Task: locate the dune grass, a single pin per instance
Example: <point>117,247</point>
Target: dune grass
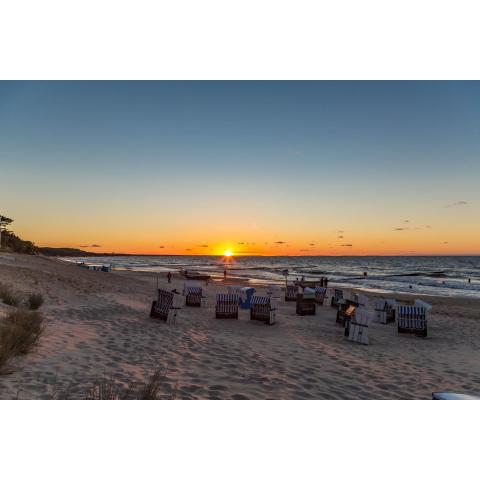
<point>10,297</point>
<point>35,301</point>
<point>19,334</point>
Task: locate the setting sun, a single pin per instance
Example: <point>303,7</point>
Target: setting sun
<point>227,253</point>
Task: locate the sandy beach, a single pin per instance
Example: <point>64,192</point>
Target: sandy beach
<point>98,325</point>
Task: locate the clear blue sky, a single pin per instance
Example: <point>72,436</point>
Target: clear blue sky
<point>90,150</point>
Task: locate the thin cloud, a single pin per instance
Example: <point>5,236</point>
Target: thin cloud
<point>241,243</point>
<point>340,231</point>
<point>161,246</point>
<point>347,245</point>
<point>460,203</point>
<point>312,244</point>
<point>399,229</point>
<point>280,242</point>
<point>203,246</point>
<point>406,221</point>
<point>340,236</point>
<point>428,226</point>
<point>90,246</point>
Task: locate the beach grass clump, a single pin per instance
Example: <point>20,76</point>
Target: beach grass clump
<point>10,297</point>
<point>19,334</point>
<point>35,301</point>
<point>106,388</point>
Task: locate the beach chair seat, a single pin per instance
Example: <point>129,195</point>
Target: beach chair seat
<point>356,329</point>
<point>320,293</point>
<point>261,309</point>
<point>336,298</point>
<point>193,297</point>
<point>226,305</point>
<point>166,306</point>
<point>291,292</point>
<point>412,319</point>
<point>345,313</point>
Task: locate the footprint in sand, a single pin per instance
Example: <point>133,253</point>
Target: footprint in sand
<point>238,396</point>
<point>217,387</point>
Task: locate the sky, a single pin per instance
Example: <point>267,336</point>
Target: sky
<point>259,168</point>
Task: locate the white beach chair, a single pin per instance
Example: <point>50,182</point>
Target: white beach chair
<point>358,327</point>
<point>384,310</point>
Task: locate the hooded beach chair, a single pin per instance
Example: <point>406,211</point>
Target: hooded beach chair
<point>227,305</point>
<point>166,306</point>
<point>385,310</point>
<point>291,292</point>
<point>261,309</point>
<point>306,302</point>
<point>412,319</point>
<point>193,296</point>
<point>337,297</point>
<point>320,293</point>
<point>356,329</point>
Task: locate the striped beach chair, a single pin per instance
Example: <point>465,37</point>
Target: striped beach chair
<point>337,297</point>
<point>227,305</point>
<point>166,306</point>
<point>356,330</point>
<point>261,309</point>
<point>306,302</point>
<point>291,293</point>
<point>233,289</point>
<point>320,293</point>
<point>412,319</point>
<point>193,296</point>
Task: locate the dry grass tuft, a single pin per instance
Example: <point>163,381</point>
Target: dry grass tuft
<point>19,334</point>
<point>35,301</point>
<point>9,297</point>
<point>103,389</point>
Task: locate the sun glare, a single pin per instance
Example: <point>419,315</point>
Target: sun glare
<point>227,253</point>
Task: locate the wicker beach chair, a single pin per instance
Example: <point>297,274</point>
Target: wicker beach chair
<point>166,306</point>
<point>356,328</point>
<point>227,305</point>
<point>193,296</point>
<point>412,319</point>
<point>320,293</point>
<point>291,292</point>
<point>337,297</point>
<point>261,309</point>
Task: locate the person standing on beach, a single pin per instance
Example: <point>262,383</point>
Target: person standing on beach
<point>169,277</point>
<point>225,273</point>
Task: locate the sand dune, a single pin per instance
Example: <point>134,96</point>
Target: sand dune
<point>98,325</point>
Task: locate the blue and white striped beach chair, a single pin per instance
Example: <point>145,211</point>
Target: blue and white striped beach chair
<point>357,328</point>
<point>320,293</point>
<point>412,319</point>
<point>261,309</point>
<point>227,305</point>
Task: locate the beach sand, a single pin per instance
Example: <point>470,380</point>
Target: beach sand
<point>99,326</point>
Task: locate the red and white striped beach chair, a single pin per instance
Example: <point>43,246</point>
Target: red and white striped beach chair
<point>166,306</point>
<point>261,309</point>
<point>412,319</point>
<point>291,292</point>
<point>320,293</point>
<point>227,305</point>
<point>193,296</point>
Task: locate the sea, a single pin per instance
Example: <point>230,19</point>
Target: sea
<point>450,276</point>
